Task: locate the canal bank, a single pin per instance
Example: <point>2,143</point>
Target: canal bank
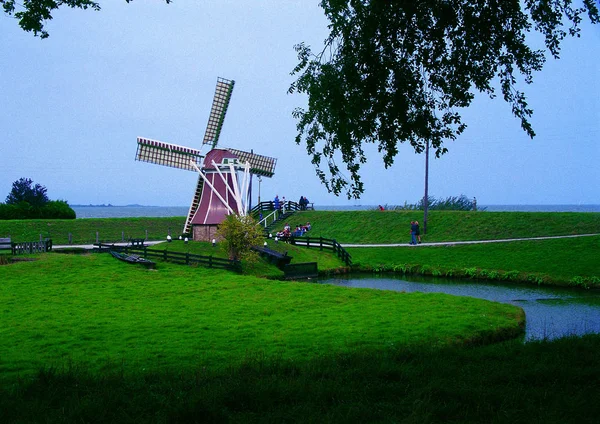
<point>551,312</point>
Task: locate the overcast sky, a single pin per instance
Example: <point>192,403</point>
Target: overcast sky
<point>73,105</point>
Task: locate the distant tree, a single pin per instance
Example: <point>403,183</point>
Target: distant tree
<point>35,13</point>
<point>239,234</point>
<point>399,71</point>
<point>29,201</point>
<point>23,190</point>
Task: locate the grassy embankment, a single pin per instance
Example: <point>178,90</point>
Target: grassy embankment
<point>83,231</point>
<point>88,338</point>
<point>570,261</point>
<point>564,262</point>
<point>445,226</point>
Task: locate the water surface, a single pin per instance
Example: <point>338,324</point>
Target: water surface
<point>550,312</point>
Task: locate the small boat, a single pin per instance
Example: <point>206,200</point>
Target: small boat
<point>133,259</point>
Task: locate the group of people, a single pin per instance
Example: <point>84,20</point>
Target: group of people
<point>282,204</point>
<point>287,232</point>
<point>415,232</point>
<point>303,203</point>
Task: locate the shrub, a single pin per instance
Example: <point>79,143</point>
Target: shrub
<point>55,209</point>
<point>240,234</point>
<point>470,272</point>
<point>452,203</point>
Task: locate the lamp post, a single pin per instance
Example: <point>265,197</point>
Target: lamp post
<point>259,181</point>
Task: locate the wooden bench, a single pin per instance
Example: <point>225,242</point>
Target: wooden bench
<point>277,258</point>
<point>5,244</point>
<point>300,271</point>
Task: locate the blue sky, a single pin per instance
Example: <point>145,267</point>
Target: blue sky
<point>73,105</point>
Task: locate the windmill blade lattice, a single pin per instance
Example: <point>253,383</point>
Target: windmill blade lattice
<point>167,154</point>
<point>218,110</point>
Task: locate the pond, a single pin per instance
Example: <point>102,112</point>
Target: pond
<point>550,312</point>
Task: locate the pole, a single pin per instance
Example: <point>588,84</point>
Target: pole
<point>426,197</point>
<point>259,181</point>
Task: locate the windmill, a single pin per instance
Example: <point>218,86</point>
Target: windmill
<point>224,174</point>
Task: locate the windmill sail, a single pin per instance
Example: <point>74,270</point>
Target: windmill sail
<point>160,153</point>
<point>187,229</point>
<point>218,110</point>
<point>259,165</point>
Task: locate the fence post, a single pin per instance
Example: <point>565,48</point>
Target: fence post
<point>210,261</point>
<point>165,255</point>
<point>187,258</point>
<point>70,238</point>
<point>145,251</point>
<point>97,237</point>
<point>122,236</point>
<point>146,234</point>
<point>41,239</point>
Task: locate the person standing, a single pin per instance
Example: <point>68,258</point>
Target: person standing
<point>418,232</point>
<point>276,202</point>
<point>413,233</point>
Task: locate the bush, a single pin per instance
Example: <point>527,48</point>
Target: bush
<point>58,209</point>
<point>55,209</point>
<point>452,203</point>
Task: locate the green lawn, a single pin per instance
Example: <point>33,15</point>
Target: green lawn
<point>558,261</point>
<point>394,226</point>
<point>88,338</point>
<point>84,231</point>
<point>97,311</point>
<point>326,261</point>
<point>345,227</point>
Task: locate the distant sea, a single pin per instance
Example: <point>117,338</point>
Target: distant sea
<point>167,211</point>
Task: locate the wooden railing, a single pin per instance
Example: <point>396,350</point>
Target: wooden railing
<point>29,247</point>
<point>270,206</point>
<point>178,257</point>
<point>323,243</point>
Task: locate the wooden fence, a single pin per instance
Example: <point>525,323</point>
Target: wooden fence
<point>323,243</point>
<point>177,257</point>
<point>29,247</point>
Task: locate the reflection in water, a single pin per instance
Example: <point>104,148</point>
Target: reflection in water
<point>550,312</point>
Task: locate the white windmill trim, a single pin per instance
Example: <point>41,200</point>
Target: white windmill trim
<point>212,188</point>
<point>246,185</point>
<point>229,190</point>
<point>236,188</point>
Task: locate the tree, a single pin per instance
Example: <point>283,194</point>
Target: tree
<point>35,13</point>
<point>399,71</point>
<point>239,234</point>
<point>23,190</point>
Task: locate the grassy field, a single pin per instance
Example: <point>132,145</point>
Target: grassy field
<point>540,382</point>
<point>83,231</point>
<point>100,313</point>
<point>87,338</point>
<point>345,227</point>
<point>327,262</point>
<point>394,226</point>
<point>572,261</point>
<point>90,339</point>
